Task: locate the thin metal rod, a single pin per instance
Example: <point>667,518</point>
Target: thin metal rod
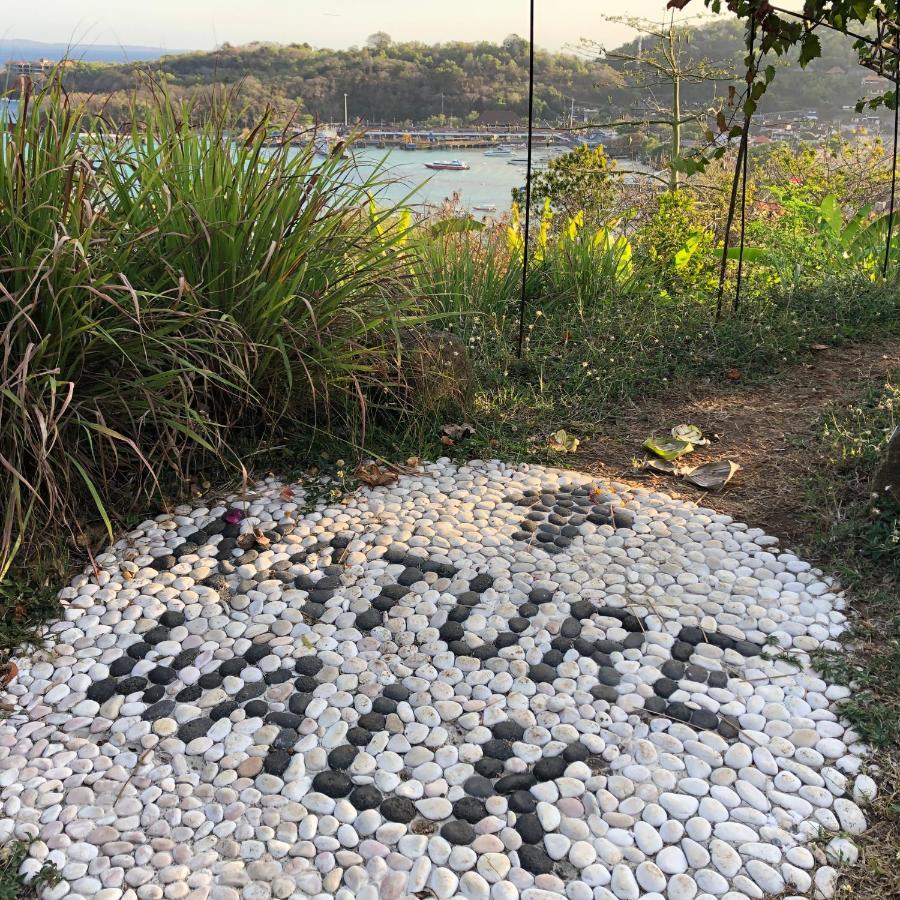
<point>887,246</point>
<point>754,68</point>
<point>527,185</point>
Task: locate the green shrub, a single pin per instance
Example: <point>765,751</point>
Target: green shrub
<point>172,294</point>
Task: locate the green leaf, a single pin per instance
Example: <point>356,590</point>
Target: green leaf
<point>668,447</point>
<point>95,494</point>
<point>455,226</point>
<point>770,74</point>
<point>749,107</point>
<point>810,48</point>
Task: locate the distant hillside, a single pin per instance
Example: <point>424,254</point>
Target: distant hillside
<point>13,48</point>
<point>471,82</point>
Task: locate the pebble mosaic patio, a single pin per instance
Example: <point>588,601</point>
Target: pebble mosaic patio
<point>484,682</point>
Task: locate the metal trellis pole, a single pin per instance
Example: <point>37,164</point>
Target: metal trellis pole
<point>890,229</point>
<point>527,185</point>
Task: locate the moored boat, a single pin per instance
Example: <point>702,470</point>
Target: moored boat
<point>487,207</point>
<point>453,165</point>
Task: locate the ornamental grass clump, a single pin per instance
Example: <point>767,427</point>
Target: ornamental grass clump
<point>170,294</point>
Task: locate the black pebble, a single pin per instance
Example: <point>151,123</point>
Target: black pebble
<point>540,595</point>
<point>395,591</point>
<point>508,638</point>
<point>157,634</point>
<point>384,604</point>
<point>342,757</point>
<point>458,832</point>
<point>681,650</point>
<point>365,796</point>
<point>277,761</point>
<point>678,711</point>
<point>703,718</point>
<point>138,650</point>
<point>132,685</point>
<point>153,693</point>
<point>747,648</point>
<point>451,631</point>
<point>459,648</point>
<point>570,628</point>
<point>256,709</point>
<point>609,675</point>
<point>162,563</point>
<point>372,721</point>
<point>210,680</point>
<point>309,665</point>
<point>459,614</point>
<point>563,644</point>
<point>519,782</point>
<point>542,673</point>
<point>122,666</point>
<point>528,610</point>
<point>410,576</point>
<point>306,684</point>
<point>488,768</point>
<point>480,583</point>
<point>195,728</point>
<point>522,802</point>
<point>256,652</point>
<point>728,729</point>
<point>518,624</point>
<point>298,703</point>
<point>250,691</point>
<point>549,767</point>
<point>469,809</point>
<point>717,639</point>
<point>396,692</point>
<point>581,609</point>
<point>534,860</point>
<point>279,676</point>
<point>576,752</point>
<point>634,641</point>
<point>484,651</point>
<point>369,619</point>
<point>285,719</point>
<point>673,669</point>
<point>690,634</point>
<point>158,711</point>
<point>718,679</point>
<point>359,736</point>
<point>189,694</point>
<point>508,731</point>
<point>185,658</point>
<point>655,705</point>
<point>162,675</point>
<point>529,827</point>
<point>101,691</point>
<point>332,784</point>
<point>497,749</point>
<point>604,692</point>
<point>286,739</point>
<point>478,786</point>
<point>664,687</point>
<point>468,598</point>
<point>384,705</point>
<point>223,710</point>
<point>398,809</point>
<point>696,673</point>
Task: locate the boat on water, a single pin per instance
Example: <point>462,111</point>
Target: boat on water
<point>453,165</point>
<point>487,207</point>
<point>498,151</point>
<point>518,162</point>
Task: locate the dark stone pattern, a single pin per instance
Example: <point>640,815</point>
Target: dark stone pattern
<point>552,522</point>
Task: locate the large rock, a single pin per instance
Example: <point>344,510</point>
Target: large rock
<point>434,370</point>
<point>887,478</point>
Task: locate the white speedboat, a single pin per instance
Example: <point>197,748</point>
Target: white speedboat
<point>498,151</point>
<point>453,165</point>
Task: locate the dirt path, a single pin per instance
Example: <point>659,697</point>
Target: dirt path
<point>762,428</point>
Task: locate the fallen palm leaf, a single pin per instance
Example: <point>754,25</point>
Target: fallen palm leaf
<point>668,448</point>
<point>693,434</point>
<point>733,375</point>
<point>7,673</point>
<point>665,466</point>
<point>714,475</point>
<point>818,348</point>
<point>563,442</point>
<point>286,494</point>
<point>373,475</point>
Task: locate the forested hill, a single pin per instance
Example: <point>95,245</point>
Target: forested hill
<point>398,82</point>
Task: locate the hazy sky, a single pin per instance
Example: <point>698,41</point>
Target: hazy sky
<point>324,23</point>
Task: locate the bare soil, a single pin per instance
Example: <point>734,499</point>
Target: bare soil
<point>766,429</point>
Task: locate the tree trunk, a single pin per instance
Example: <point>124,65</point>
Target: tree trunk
<point>887,478</point>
